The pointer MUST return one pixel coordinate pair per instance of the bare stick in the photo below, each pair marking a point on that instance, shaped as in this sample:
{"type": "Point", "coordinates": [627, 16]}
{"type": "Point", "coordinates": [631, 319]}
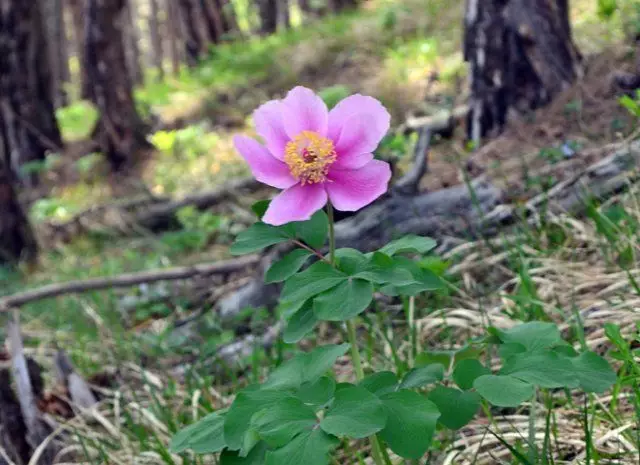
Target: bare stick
{"type": "Point", "coordinates": [125, 280]}
{"type": "Point", "coordinates": [36, 430]}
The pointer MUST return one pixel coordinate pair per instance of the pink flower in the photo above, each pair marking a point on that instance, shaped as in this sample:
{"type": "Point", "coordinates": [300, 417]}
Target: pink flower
{"type": "Point", "coordinates": [317, 155]}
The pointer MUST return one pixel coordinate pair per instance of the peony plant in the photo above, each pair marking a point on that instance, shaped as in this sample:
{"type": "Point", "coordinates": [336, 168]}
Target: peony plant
{"type": "Point", "coordinates": [298, 416]}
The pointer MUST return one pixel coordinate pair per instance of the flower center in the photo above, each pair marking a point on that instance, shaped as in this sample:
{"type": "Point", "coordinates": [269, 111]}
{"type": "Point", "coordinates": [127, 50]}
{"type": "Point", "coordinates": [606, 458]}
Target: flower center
{"type": "Point", "coordinates": [309, 156]}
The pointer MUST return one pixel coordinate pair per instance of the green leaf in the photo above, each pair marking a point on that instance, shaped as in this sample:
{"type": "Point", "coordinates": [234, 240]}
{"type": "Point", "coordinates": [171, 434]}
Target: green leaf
{"type": "Point", "coordinates": [287, 266]}
{"type": "Point", "coordinates": [355, 413]}
{"type": "Point", "coordinates": [260, 208]}
{"type": "Point", "coordinates": [422, 376]}
{"type": "Point", "coordinates": [255, 457]}
{"type": "Point", "coordinates": [309, 448]}
{"type": "Point", "coordinates": [382, 382]}
{"type": "Point", "coordinates": [382, 269]}
{"type": "Point", "coordinates": [457, 407]}
{"type": "Point", "coordinates": [316, 279]}
{"type": "Point", "coordinates": [300, 324]}
{"type": "Point", "coordinates": [411, 422]}
{"type": "Point", "coordinates": [351, 261]}
{"type": "Point", "coordinates": [467, 371]}
{"type": "Point", "coordinates": [423, 280]}
{"type": "Point", "coordinates": [281, 422]}
{"type": "Point", "coordinates": [320, 360]}
{"type": "Point", "coordinates": [533, 336]}
{"type": "Point", "coordinates": [246, 403]}
{"type": "Point", "coordinates": [503, 391]}
{"type": "Point", "coordinates": [305, 367]}
{"type": "Point", "coordinates": [314, 231]}
{"type": "Point", "coordinates": [257, 237]}
{"type": "Point", "coordinates": [203, 437]}
{"type": "Point", "coordinates": [409, 243]}
{"type": "Point", "coordinates": [593, 372]}
{"type": "Point", "coordinates": [544, 369]}
{"type": "Point", "coordinates": [345, 301]}
{"type": "Point", "coordinates": [318, 393]}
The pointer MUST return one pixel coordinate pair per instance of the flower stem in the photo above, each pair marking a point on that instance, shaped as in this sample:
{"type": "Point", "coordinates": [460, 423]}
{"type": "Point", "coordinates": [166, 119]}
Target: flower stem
{"type": "Point", "coordinates": [376, 449]}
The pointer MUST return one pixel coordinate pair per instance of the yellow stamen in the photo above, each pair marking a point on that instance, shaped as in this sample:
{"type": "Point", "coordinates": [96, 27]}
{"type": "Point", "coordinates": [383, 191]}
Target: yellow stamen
{"type": "Point", "coordinates": [309, 156]}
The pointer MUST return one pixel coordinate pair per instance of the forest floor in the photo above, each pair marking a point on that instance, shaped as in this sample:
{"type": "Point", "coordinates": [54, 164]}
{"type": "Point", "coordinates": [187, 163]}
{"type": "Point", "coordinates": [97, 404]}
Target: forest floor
{"type": "Point", "coordinates": [154, 372]}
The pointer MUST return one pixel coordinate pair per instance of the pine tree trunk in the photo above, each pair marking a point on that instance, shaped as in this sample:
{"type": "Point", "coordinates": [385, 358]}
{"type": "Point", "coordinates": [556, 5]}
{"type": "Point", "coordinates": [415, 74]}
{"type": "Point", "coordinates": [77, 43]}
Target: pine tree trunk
{"type": "Point", "coordinates": [17, 241]}
{"type": "Point", "coordinates": [268, 11]}
{"type": "Point", "coordinates": [157, 52]}
{"type": "Point", "coordinates": [283, 15]}
{"type": "Point", "coordinates": [521, 54]}
{"type": "Point", "coordinates": [213, 19]}
{"type": "Point", "coordinates": [132, 41]}
{"type": "Point", "coordinates": [195, 33]}
{"type": "Point", "coordinates": [176, 44]}
{"type": "Point", "coordinates": [56, 37]}
{"type": "Point", "coordinates": [78, 12]}
{"type": "Point", "coordinates": [27, 123]}
{"type": "Point", "coordinates": [26, 87]}
{"type": "Point", "coordinates": [120, 131]}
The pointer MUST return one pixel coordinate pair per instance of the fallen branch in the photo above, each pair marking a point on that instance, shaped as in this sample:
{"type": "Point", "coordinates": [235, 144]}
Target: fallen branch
{"type": "Point", "coordinates": [150, 213]}
{"type": "Point", "coordinates": [37, 431]}
{"type": "Point", "coordinates": [442, 122]}
{"type": "Point", "coordinates": [410, 182]}
{"type": "Point", "coordinates": [125, 280]}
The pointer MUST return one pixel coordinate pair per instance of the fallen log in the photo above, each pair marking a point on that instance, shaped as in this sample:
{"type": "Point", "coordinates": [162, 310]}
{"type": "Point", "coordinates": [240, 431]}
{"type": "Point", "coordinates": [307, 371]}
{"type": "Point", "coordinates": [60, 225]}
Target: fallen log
{"type": "Point", "coordinates": [148, 213]}
{"type": "Point", "coordinates": [125, 280]}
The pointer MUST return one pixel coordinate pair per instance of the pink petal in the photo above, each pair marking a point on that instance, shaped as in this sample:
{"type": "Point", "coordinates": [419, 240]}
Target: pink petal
{"type": "Point", "coordinates": [264, 167]}
{"type": "Point", "coordinates": [269, 125]}
{"type": "Point", "coordinates": [297, 203]}
{"type": "Point", "coordinates": [356, 142]}
{"type": "Point", "coordinates": [303, 110]}
{"type": "Point", "coordinates": [354, 105]}
{"type": "Point", "coordinates": [350, 190]}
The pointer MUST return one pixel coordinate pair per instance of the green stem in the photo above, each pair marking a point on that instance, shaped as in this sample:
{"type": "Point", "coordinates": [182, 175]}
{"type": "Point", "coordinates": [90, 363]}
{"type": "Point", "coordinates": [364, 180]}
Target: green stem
{"type": "Point", "coordinates": [533, 450]}
{"type": "Point", "coordinates": [376, 449]}
{"type": "Point", "coordinates": [355, 353]}
{"type": "Point", "coordinates": [332, 235]}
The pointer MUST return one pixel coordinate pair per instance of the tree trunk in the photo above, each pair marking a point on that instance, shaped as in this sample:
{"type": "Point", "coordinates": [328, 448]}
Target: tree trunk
{"type": "Point", "coordinates": [77, 10]}
{"type": "Point", "coordinates": [120, 131]}
{"type": "Point", "coordinates": [132, 41]}
{"type": "Point", "coordinates": [176, 45]}
{"type": "Point", "coordinates": [56, 36]}
{"type": "Point", "coordinates": [29, 127]}
{"type": "Point", "coordinates": [268, 11]}
{"type": "Point", "coordinates": [17, 240]}
{"type": "Point", "coordinates": [156, 38]}
{"type": "Point", "coordinates": [521, 55]}
{"type": "Point", "coordinates": [195, 33]}
{"type": "Point", "coordinates": [213, 19]}
{"type": "Point", "coordinates": [283, 15]}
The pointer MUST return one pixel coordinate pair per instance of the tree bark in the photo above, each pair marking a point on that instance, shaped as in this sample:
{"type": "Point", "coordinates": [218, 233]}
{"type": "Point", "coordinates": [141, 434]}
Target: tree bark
{"type": "Point", "coordinates": [195, 30]}
{"type": "Point", "coordinates": [120, 131]}
{"type": "Point", "coordinates": [17, 240]}
{"type": "Point", "coordinates": [78, 9]}
{"type": "Point", "coordinates": [268, 12]}
{"type": "Point", "coordinates": [57, 38]}
{"type": "Point", "coordinates": [176, 45]}
{"type": "Point", "coordinates": [521, 54]}
{"type": "Point", "coordinates": [157, 51]}
{"type": "Point", "coordinates": [132, 40]}
{"type": "Point", "coordinates": [27, 120]}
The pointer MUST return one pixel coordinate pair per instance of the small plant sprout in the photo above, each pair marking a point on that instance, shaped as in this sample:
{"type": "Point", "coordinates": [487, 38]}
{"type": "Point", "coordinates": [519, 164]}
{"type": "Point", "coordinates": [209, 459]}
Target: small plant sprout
{"type": "Point", "coordinates": [304, 410]}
